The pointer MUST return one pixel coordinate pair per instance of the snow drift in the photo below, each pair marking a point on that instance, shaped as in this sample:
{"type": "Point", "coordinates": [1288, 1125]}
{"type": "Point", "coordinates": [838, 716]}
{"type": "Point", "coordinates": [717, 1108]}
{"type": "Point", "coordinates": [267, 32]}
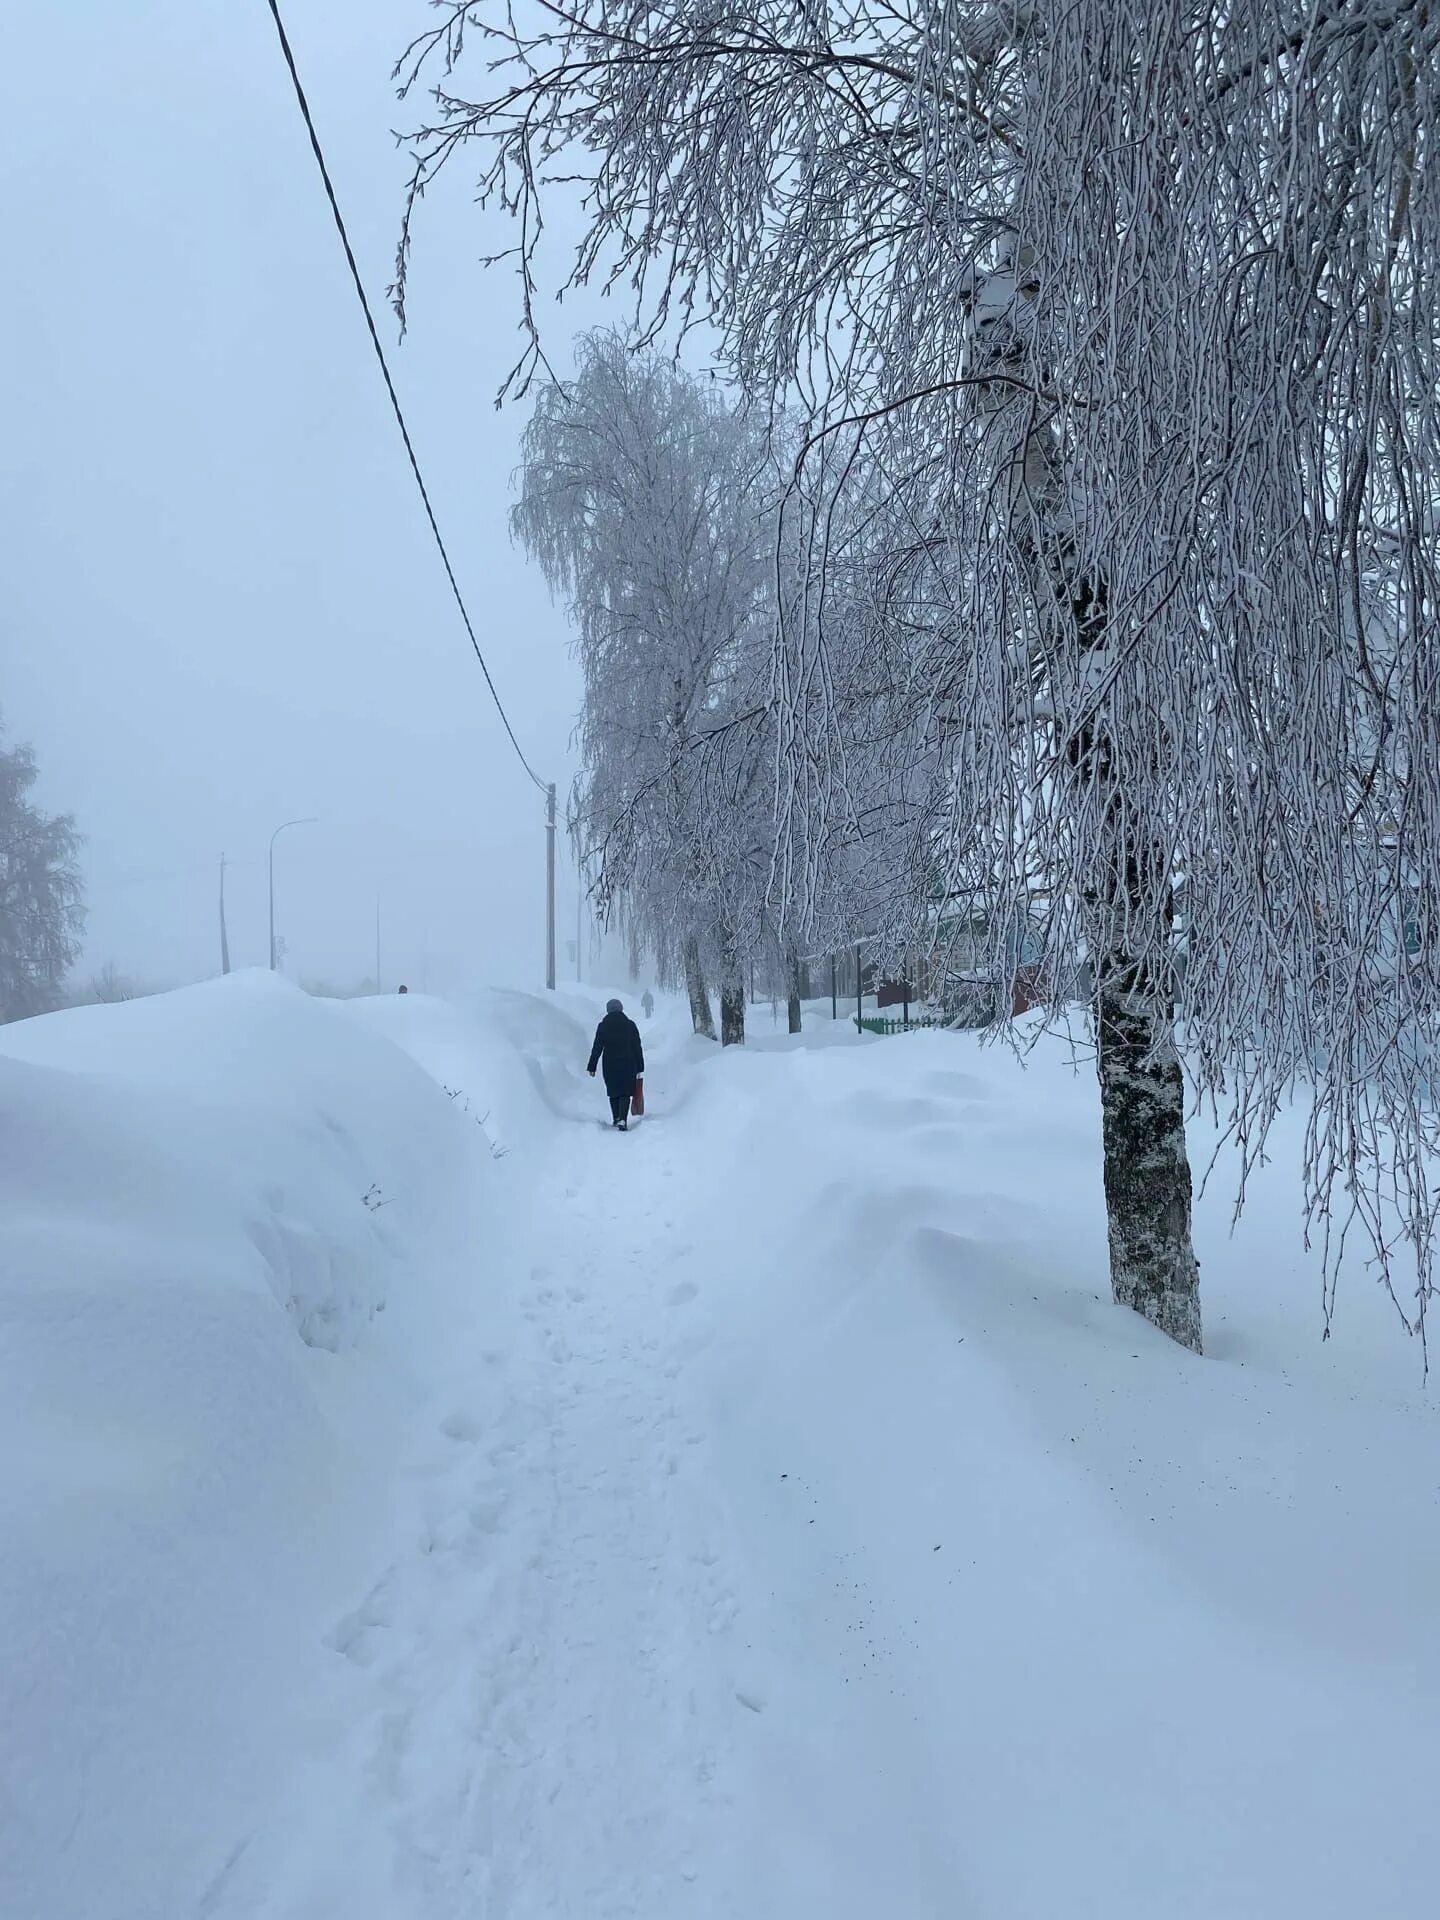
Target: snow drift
{"type": "Point", "coordinates": [1116, 1630]}
{"type": "Point", "coordinates": [238, 1234]}
{"type": "Point", "coordinates": [776, 1520]}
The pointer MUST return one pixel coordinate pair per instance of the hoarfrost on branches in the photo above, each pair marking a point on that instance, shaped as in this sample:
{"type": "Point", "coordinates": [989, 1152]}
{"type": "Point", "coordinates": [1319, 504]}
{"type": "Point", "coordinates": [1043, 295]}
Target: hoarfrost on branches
{"type": "Point", "coordinates": [1114, 508]}
{"type": "Point", "coordinates": [641, 500]}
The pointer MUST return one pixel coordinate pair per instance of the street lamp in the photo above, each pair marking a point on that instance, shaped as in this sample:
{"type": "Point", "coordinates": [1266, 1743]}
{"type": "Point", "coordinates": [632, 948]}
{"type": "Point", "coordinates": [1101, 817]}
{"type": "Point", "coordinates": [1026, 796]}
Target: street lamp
{"type": "Point", "coordinates": [308, 821]}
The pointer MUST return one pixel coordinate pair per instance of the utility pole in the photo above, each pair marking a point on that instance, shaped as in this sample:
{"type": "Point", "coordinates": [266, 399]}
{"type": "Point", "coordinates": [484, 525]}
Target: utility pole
{"type": "Point", "coordinates": [550, 886]}
{"type": "Point", "coordinates": [859, 991]}
{"type": "Point", "coordinates": [224, 936]}
{"type": "Point", "coordinates": [834, 992]}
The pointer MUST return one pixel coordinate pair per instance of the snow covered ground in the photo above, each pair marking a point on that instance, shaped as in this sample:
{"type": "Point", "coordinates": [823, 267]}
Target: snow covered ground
{"type": "Point", "coordinates": [420, 1502]}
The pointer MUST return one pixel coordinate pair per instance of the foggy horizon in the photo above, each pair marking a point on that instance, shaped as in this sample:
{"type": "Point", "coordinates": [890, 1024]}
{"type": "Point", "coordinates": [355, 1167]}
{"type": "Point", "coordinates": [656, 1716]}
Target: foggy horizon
{"type": "Point", "coordinates": [226, 608]}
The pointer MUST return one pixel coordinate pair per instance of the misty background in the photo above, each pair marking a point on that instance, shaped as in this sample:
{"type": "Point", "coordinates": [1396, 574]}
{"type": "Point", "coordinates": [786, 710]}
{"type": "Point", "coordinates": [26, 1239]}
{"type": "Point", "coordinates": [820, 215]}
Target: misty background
{"type": "Point", "coordinates": [224, 608]}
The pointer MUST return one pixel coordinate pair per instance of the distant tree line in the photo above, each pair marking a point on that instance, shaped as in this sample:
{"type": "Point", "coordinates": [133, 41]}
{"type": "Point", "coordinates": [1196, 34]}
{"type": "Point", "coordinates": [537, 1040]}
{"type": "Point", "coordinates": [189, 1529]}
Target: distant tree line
{"type": "Point", "coordinates": [42, 913]}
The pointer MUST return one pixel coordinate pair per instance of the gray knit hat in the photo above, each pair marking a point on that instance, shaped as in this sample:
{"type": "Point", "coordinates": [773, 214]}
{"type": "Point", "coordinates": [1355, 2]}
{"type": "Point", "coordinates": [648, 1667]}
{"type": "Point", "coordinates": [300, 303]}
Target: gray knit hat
{"type": "Point", "coordinates": [613, 1006]}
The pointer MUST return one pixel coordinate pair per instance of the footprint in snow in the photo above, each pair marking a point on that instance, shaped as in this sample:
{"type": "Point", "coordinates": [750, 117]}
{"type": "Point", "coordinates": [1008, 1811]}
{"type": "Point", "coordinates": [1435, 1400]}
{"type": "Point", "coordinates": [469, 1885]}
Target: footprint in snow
{"type": "Point", "coordinates": [485, 1515]}
{"type": "Point", "coordinates": [682, 1293]}
{"type": "Point", "coordinates": [463, 1427]}
{"type": "Point", "coordinates": [358, 1636]}
{"type": "Point", "coordinates": [723, 1616]}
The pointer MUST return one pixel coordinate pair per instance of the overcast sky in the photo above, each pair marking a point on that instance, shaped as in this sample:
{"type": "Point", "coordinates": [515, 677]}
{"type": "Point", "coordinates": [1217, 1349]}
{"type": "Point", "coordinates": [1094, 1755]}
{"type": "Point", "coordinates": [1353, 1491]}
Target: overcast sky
{"type": "Point", "coordinates": [222, 608]}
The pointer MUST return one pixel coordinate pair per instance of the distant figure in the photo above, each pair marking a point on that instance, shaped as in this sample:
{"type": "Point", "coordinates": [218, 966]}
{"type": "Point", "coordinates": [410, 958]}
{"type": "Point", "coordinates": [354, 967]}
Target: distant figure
{"type": "Point", "coordinates": [647, 1001]}
{"type": "Point", "coordinates": [403, 989]}
{"type": "Point", "coordinates": [617, 1048]}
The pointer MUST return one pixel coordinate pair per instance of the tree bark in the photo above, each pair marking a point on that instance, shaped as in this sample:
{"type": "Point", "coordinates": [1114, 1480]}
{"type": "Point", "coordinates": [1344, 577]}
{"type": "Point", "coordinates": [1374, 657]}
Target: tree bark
{"type": "Point", "coordinates": [732, 1013]}
{"type": "Point", "coordinates": [732, 992]}
{"type": "Point", "coordinates": [1153, 1268]}
{"type": "Point", "coordinates": [793, 986]}
{"type": "Point", "coordinates": [701, 1017]}
{"type": "Point", "coordinates": [1148, 1189]}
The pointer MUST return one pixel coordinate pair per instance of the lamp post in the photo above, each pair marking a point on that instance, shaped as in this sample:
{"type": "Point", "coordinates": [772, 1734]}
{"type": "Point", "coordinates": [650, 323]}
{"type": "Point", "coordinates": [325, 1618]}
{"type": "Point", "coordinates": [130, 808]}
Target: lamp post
{"type": "Point", "coordinates": [308, 821]}
{"type": "Point", "coordinates": [224, 935]}
{"type": "Point", "coordinates": [550, 886]}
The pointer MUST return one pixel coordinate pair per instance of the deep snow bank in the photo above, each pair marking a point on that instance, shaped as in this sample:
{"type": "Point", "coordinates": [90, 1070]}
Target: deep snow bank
{"type": "Point", "coordinates": [507, 1060]}
{"type": "Point", "coordinates": [237, 1235]}
{"type": "Point", "coordinates": [826, 1543]}
{"type": "Point", "coordinates": [1143, 1634]}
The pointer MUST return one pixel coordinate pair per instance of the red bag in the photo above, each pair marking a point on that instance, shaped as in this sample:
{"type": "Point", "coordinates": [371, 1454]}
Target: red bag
{"type": "Point", "coordinates": [637, 1099]}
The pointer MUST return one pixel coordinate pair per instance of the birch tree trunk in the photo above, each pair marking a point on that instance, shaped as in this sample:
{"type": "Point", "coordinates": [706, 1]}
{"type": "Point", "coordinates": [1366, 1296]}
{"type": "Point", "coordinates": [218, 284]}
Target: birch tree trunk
{"type": "Point", "coordinates": [701, 1017]}
{"type": "Point", "coordinates": [732, 992]}
{"type": "Point", "coordinates": [1148, 1190]}
{"type": "Point", "coordinates": [1147, 1170]}
{"type": "Point", "coordinates": [793, 990]}
{"type": "Point", "coordinates": [732, 1013]}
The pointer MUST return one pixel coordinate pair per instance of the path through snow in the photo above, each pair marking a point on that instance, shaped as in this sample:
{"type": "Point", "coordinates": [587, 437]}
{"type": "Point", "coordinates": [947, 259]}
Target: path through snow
{"type": "Point", "coordinates": [549, 1694]}
{"type": "Point", "coordinates": [824, 1546]}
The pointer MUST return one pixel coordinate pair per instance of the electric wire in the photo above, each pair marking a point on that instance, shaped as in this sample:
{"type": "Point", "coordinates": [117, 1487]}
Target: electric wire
{"type": "Point", "coordinates": [330, 194]}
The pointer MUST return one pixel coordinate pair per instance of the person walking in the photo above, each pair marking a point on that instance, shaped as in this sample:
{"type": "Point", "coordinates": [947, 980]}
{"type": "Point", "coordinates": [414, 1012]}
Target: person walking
{"type": "Point", "coordinates": [618, 1051]}
{"type": "Point", "coordinates": [647, 1003]}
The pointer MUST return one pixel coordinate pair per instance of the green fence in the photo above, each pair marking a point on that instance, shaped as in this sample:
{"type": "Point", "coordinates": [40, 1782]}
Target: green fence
{"type": "Point", "coordinates": [883, 1025]}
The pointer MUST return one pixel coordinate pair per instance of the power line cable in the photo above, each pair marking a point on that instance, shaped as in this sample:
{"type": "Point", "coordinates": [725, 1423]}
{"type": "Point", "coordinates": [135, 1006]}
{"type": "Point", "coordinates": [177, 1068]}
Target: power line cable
{"type": "Point", "coordinates": [390, 385]}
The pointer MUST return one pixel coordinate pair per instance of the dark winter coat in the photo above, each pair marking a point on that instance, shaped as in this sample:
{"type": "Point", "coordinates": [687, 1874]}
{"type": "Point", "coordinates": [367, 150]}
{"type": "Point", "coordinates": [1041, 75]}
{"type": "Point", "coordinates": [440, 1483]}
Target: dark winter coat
{"type": "Point", "coordinates": [618, 1052]}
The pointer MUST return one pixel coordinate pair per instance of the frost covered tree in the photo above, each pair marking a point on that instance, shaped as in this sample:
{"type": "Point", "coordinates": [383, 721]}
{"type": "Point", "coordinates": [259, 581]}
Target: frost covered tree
{"type": "Point", "coordinates": [41, 911]}
{"type": "Point", "coordinates": [640, 501]}
{"type": "Point", "coordinates": [1112, 331]}
{"type": "Point", "coordinates": [864, 793]}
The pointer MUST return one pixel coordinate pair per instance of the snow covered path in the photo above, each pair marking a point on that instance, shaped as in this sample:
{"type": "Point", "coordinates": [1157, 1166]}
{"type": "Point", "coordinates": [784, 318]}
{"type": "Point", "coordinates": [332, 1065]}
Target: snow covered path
{"type": "Point", "coordinates": [748, 1584]}
{"type": "Point", "coordinates": [535, 1736]}
{"type": "Point", "coordinates": [763, 1516]}
{"type": "Point", "coordinates": [557, 1702]}
{"type": "Point", "coordinates": [533, 1741]}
